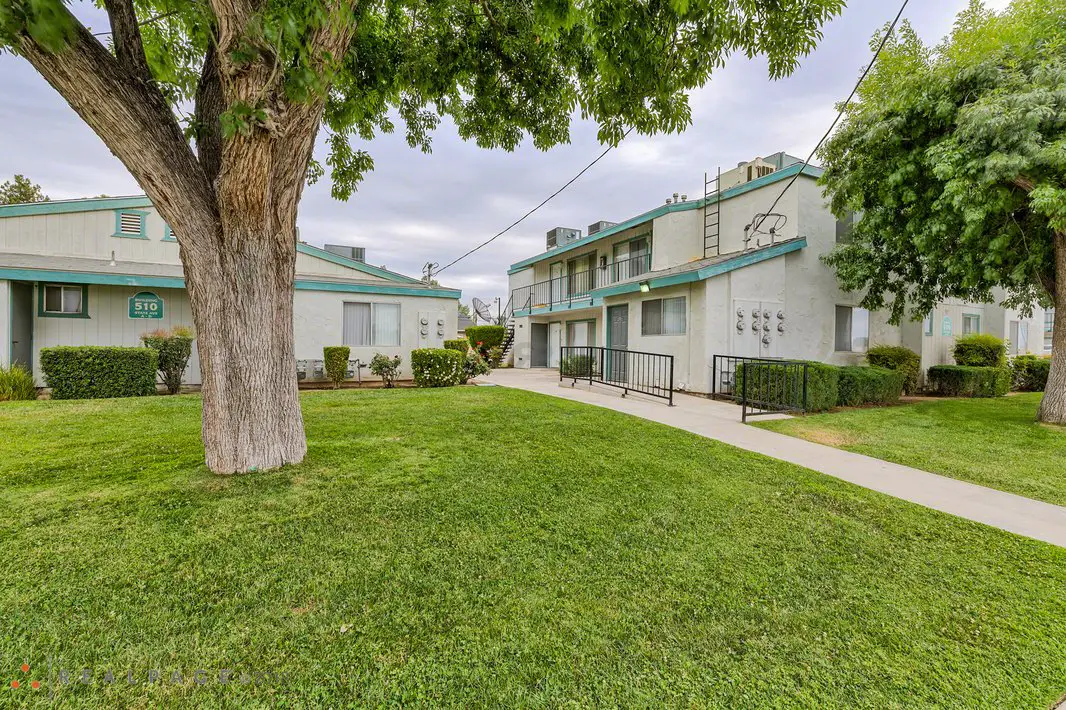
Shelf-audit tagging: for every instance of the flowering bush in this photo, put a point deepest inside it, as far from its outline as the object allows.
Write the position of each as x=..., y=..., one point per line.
x=475, y=365
x=438, y=367
x=386, y=368
x=495, y=356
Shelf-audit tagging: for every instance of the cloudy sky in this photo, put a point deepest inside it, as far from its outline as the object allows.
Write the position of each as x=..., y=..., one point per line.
x=416, y=208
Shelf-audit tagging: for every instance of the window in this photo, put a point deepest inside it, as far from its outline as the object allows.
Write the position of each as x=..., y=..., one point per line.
x=971, y=323
x=663, y=316
x=130, y=224
x=371, y=324
x=927, y=325
x=845, y=225
x=852, y=329
x=58, y=301
x=1049, y=328
x=581, y=333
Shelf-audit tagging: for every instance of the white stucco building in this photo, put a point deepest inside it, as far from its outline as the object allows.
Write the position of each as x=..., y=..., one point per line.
x=103, y=271
x=690, y=279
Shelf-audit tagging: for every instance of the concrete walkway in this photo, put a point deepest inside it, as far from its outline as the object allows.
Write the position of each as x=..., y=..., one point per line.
x=721, y=421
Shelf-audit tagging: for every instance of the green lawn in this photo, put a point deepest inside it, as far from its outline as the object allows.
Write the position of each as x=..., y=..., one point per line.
x=481, y=546
x=991, y=442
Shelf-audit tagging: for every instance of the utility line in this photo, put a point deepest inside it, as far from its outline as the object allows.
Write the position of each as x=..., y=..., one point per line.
x=546, y=201
x=840, y=114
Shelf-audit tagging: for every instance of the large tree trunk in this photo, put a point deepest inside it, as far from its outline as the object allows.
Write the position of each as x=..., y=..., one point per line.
x=1053, y=405
x=244, y=320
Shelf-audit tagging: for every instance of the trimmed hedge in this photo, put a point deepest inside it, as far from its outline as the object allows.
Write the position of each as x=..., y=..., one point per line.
x=966, y=381
x=490, y=336
x=336, y=362
x=1030, y=372
x=980, y=350
x=869, y=385
x=89, y=372
x=576, y=366
x=438, y=367
x=460, y=344
x=823, y=385
x=900, y=359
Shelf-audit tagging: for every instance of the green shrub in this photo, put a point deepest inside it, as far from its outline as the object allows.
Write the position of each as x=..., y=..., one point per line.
x=770, y=383
x=485, y=337
x=460, y=344
x=966, y=381
x=1030, y=373
x=869, y=385
x=173, y=349
x=474, y=365
x=900, y=359
x=16, y=382
x=980, y=350
x=335, y=359
x=438, y=367
x=89, y=372
x=495, y=356
x=576, y=366
x=387, y=368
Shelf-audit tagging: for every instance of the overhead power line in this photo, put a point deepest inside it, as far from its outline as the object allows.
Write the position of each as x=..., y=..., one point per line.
x=548, y=199
x=884, y=41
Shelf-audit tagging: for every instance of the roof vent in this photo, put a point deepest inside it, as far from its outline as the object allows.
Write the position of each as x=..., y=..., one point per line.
x=353, y=253
x=600, y=226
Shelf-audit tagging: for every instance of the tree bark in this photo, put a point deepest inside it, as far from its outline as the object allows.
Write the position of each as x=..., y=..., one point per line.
x=1053, y=404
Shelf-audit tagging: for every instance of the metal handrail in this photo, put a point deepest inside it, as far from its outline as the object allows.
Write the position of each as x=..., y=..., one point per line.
x=578, y=286
x=651, y=374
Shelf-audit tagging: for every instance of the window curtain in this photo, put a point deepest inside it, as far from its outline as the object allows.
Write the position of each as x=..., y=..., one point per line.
x=860, y=330
x=843, y=329
x=386, y=324
x=674, y=316
x=356, y=327
x=651, y=317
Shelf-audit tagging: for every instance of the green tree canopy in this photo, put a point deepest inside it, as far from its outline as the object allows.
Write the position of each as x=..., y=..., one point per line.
x=955, y=157
x=20, y=189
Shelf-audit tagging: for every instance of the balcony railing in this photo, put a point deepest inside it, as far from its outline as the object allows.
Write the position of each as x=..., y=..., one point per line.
x=565, y=290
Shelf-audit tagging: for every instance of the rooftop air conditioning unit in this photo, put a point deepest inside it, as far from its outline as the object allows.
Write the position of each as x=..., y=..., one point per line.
x=600, y=226
x=561, y=236
x=353, y=253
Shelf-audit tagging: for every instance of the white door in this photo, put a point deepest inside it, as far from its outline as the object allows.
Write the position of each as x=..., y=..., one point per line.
x=555, y=341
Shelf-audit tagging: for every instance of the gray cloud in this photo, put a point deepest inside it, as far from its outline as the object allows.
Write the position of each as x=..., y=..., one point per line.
x=415, y=208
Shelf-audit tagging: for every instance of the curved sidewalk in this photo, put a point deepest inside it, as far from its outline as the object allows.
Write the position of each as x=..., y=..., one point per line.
x=721, y=421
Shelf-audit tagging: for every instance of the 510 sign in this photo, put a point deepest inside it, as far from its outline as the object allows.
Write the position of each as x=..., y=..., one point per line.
x=146, y=305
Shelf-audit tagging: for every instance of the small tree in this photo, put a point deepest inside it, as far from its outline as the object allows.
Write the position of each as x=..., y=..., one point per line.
x=336, y=360
x=21, y=189
x=954, y=157
x=173, y=349
x=387, y=368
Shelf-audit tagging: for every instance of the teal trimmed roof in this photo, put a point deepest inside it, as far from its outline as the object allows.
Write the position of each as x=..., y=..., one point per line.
x=777, y=176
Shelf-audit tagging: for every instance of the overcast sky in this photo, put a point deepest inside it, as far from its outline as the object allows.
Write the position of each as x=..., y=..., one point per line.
x=416, y=208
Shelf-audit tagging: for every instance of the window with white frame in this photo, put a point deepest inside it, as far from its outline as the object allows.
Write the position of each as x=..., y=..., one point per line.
x=371, y=324
x=63, y=300
x=971, y=323
x=663, y=316
x=1049, y=328
x=581, y=333
x=852, y=329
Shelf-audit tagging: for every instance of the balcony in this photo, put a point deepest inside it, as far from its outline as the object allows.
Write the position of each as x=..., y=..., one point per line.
x=574, y=290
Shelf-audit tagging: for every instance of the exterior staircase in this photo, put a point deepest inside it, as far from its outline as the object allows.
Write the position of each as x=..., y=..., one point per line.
x=507, y=320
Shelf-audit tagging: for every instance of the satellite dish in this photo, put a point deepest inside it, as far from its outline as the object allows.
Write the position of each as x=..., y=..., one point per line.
x=481, y=309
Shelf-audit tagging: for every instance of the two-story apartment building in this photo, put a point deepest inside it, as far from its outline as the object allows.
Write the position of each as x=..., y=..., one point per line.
x=694, y=278
x=104, y=271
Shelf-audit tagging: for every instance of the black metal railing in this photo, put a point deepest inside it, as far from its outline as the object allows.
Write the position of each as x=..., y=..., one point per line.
x=630, y=371
x=761, y=385
x=564, y=290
